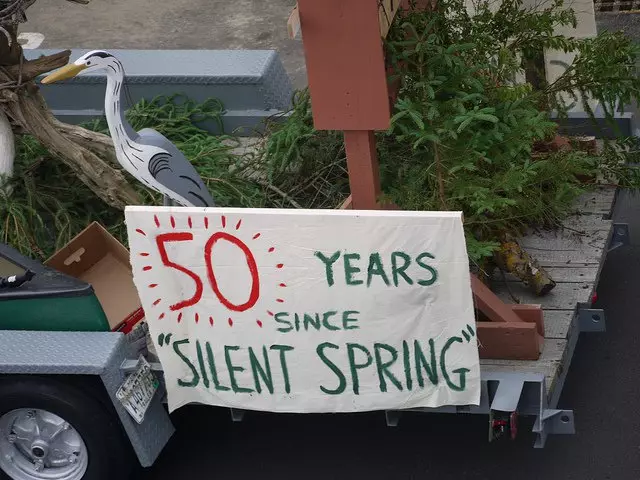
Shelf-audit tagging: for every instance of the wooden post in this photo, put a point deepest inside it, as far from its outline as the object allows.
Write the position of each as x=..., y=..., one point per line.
x=362, y=162
x=348, y=83
x=345, y=64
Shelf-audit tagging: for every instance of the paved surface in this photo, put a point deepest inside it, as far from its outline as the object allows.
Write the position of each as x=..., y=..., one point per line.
x=174, y=24
x=197, y=24
x=602, y=388
x=629, y=23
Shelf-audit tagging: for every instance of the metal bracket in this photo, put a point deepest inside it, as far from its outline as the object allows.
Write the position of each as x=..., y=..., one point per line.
x=129, y=366
x=392, y=417
x=551, y=421
x=620, y=236
x=505, y=400
x=526, y=393
x=591, y=319
x=237, y=415
x=508, y=394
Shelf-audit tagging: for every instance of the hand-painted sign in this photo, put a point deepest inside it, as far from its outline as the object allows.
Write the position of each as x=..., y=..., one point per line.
x=306, y=310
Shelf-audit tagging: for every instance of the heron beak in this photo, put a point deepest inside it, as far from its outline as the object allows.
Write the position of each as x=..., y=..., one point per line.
x=68, y=71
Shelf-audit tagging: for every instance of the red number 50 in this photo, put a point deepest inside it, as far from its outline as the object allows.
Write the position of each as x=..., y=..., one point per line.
x=254, y=293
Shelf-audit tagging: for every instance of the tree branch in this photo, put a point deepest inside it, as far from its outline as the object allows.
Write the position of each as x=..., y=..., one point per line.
x=32, y=68
x=89, y=155
x=95, y=141
x=28, y=110
x=31, y=113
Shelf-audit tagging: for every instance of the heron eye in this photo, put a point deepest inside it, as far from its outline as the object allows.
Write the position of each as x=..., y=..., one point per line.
x=89, y=62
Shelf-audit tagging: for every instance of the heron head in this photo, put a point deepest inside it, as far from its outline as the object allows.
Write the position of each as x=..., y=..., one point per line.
x=94, y=60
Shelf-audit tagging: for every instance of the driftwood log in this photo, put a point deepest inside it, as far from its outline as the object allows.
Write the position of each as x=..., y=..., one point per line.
x=90, y=155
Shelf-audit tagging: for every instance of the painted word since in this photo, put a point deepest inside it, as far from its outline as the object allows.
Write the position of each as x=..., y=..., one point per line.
x=331, y=320
x=400, y=268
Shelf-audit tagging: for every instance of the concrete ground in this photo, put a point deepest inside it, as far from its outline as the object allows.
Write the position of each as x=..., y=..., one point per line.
x=197, y=24
x=629, y=23
x=174, y=24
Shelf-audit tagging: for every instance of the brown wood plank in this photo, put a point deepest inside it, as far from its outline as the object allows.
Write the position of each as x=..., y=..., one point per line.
x=598, y=202
x=565, y=296
x=531, y=314
x=362, y=162
x=549, y=363
x=508, y=340
x=490, y=305
x=567, y=273
x=557, y=323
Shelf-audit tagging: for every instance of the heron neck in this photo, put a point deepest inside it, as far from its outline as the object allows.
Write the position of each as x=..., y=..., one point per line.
x=119, y=128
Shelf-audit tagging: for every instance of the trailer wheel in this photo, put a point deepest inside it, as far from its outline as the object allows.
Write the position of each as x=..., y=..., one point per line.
x=50, y=429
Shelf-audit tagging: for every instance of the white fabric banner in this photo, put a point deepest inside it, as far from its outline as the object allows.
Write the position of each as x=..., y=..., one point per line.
x=307, y=310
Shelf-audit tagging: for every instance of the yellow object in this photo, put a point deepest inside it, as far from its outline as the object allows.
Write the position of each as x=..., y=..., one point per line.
x=511, y=258
x=68, y=71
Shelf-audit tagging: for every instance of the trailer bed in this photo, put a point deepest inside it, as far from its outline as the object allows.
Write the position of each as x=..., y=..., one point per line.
x=574, y=256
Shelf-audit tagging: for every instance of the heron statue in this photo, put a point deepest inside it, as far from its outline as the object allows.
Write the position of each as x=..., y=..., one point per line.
x=147, y=155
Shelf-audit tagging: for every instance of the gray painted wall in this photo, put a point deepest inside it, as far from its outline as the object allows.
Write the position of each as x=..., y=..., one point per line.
x=252, y=84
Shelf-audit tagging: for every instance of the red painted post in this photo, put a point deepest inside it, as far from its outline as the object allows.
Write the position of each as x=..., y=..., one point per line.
x=362, y=162
x=345, y=64
x=348, y=83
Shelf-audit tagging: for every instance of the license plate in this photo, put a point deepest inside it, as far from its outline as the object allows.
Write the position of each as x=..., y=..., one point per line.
x=137, y=391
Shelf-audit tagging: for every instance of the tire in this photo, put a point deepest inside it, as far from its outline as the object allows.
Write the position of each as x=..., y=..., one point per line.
x=102, y=453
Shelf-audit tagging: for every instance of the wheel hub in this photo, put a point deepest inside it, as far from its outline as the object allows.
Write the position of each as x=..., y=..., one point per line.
x=39, y=451
x=37, y=445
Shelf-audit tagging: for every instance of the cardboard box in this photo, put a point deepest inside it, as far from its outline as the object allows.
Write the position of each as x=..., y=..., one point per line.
x=96, y=257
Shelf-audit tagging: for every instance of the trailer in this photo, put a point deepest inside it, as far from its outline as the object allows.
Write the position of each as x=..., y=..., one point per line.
x=574, y=255
x=61, y=369
x=69, y=386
